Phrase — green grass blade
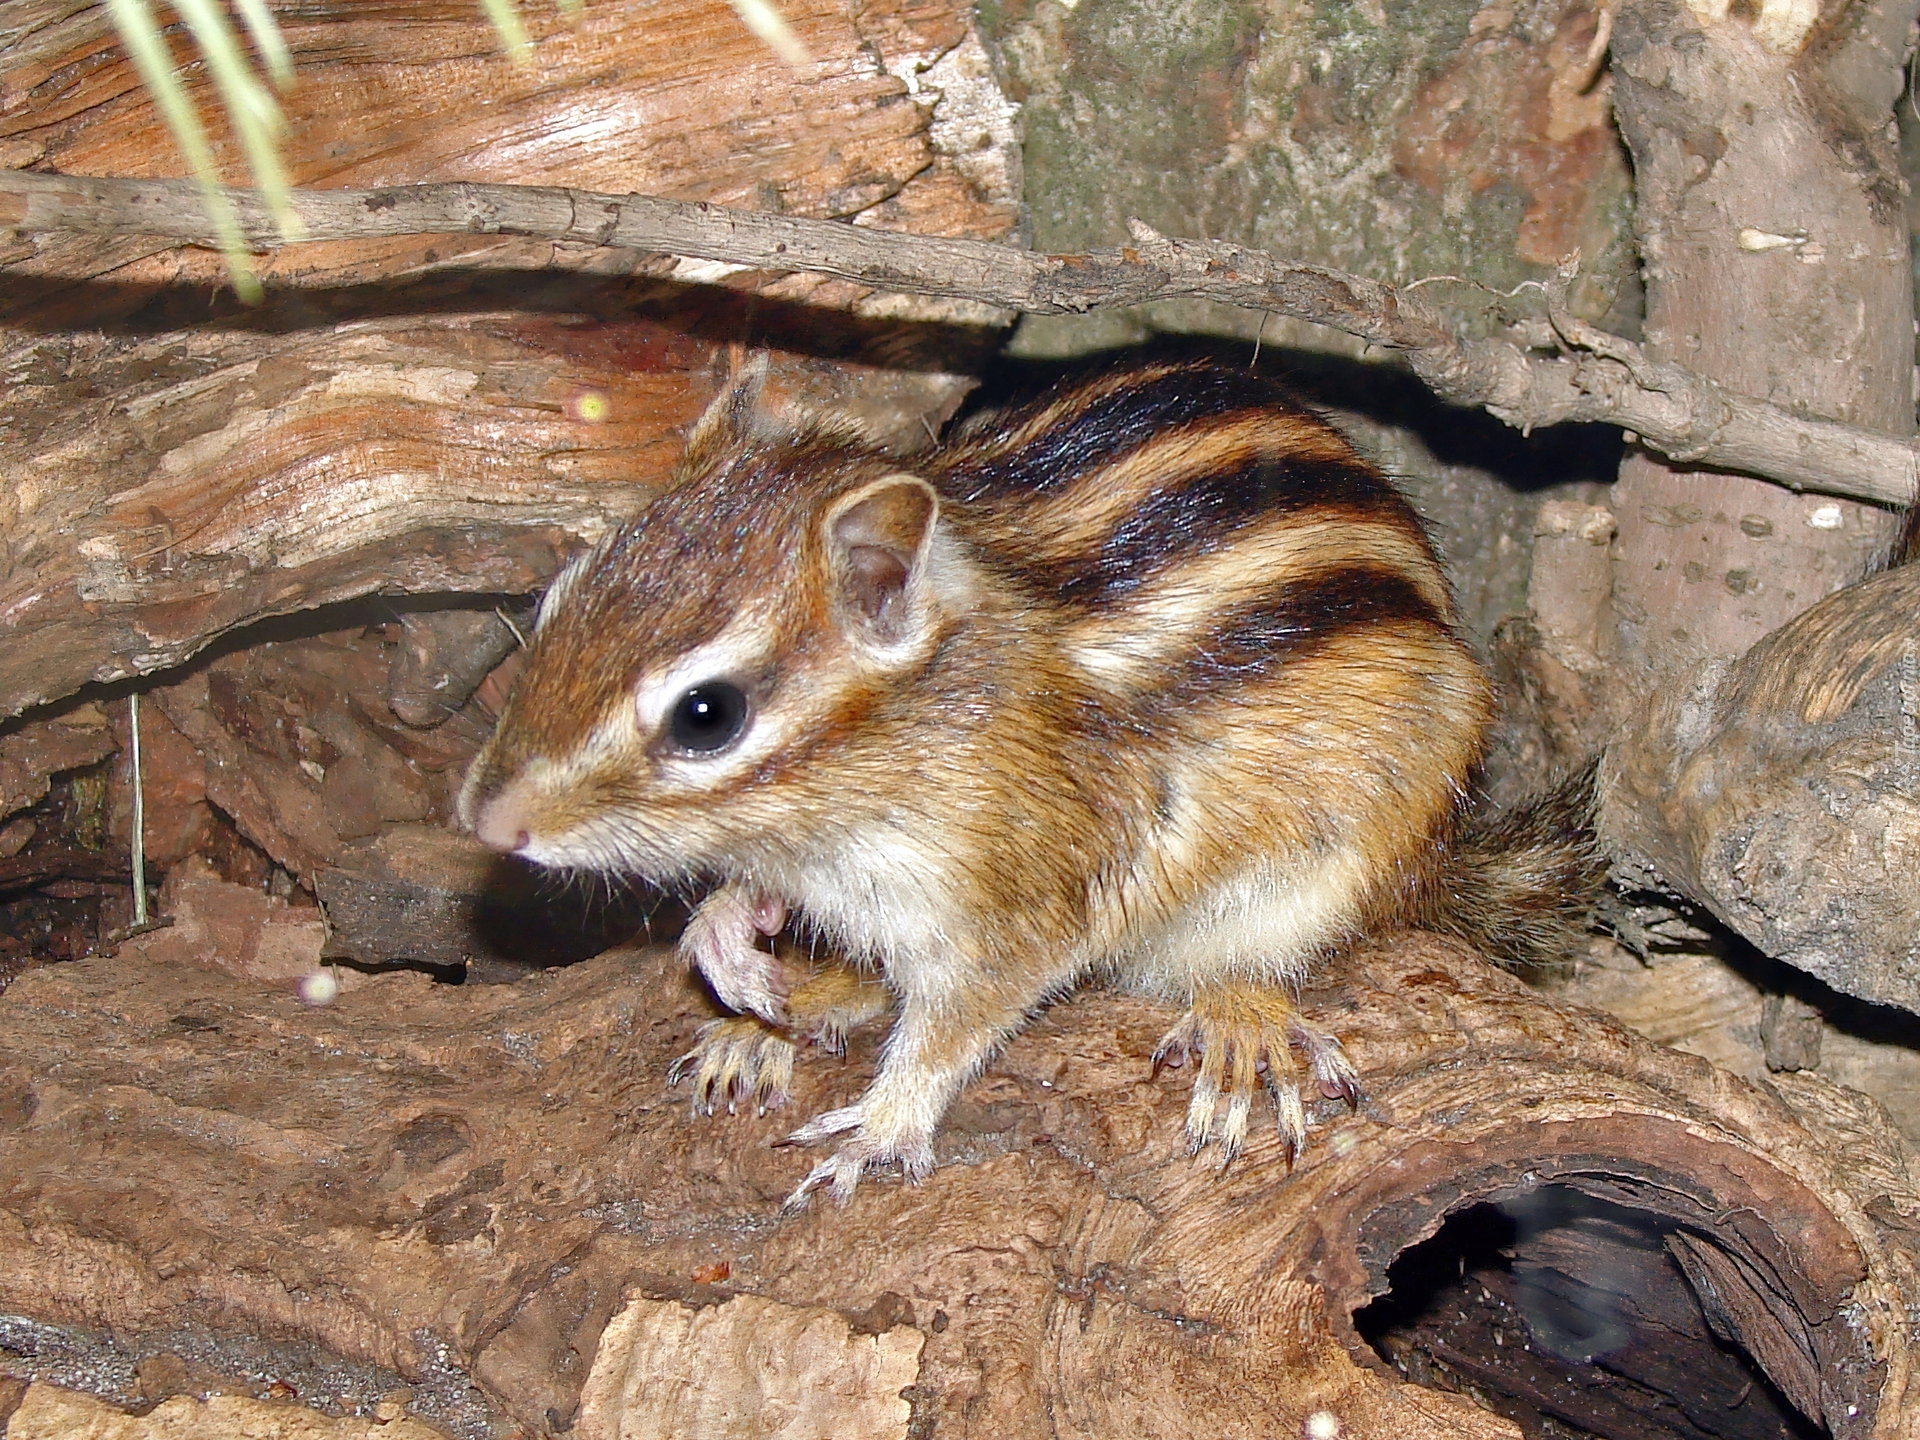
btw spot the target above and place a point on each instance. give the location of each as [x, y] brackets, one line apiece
[773, 31]
[504, 15]
[251, 109]
[267, 40]
[140, 33]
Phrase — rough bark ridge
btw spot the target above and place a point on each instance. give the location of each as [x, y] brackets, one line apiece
[1775, 245]
[498, 1170]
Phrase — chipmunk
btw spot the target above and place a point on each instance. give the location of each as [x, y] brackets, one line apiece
[1154, 679]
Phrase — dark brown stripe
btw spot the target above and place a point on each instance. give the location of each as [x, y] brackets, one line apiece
[1257, 639]
[1174, 525]
[1104, 428]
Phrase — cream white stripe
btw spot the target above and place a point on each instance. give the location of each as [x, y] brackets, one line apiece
[1159, 621]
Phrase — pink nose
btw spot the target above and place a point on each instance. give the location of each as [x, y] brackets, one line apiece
[498, 826]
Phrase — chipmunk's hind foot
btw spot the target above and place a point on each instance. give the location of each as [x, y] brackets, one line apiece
[1244, 1037]
[836, 999]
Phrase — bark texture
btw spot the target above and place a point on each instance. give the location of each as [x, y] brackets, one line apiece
[1783, 791]
[1776, 252]
[46, 1412]
[488, 1175]
[174, 470]
[1448, 140]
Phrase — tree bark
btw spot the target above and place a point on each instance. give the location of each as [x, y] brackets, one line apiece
[1782, 791]
[500, 1170]
[1776, 250]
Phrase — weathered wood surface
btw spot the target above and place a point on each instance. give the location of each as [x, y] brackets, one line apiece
[46, 1412]
[1748, 257]
[1608, 380]
[500, 1169]
[1782, 791]
[173, 469]
[675, 99]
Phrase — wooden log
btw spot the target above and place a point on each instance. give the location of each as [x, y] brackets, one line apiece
[1782, 791]
[1794, 220]
[498, 1179]
[386, 422]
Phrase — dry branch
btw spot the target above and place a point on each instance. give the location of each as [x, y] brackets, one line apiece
[1601, 378]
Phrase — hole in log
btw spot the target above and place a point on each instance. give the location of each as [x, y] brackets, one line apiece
[1572, 1315]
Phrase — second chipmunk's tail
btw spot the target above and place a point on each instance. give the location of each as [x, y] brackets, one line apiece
[1520, 884]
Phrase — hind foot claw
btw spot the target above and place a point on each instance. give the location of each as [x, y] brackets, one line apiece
[1244, 1035]
[866, 1149]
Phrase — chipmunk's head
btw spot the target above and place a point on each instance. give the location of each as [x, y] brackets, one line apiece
[681, 670]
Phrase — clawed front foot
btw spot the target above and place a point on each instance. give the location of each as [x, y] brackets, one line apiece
[743, 1058]
[927, 1058]
[1244, 1035]
[868, 1148]
[733, 1060]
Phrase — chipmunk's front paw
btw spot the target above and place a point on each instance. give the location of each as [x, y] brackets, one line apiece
[1245, 1035]
[733, 1060]
[867, 1148]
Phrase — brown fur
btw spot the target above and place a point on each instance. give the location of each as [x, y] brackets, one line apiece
[1519, 884]
[1156, 678]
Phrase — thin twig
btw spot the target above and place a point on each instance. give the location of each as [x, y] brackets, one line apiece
[505, 619]
[139, 842]
[1605, 379]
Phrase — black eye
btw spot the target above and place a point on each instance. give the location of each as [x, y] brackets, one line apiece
[708, 717]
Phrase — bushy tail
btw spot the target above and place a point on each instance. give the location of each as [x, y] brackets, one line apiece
[1520, 884]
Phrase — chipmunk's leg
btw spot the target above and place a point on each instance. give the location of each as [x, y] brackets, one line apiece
[744, 1058]
[836, 998]
[944, 1034]
[1237, 1030]
[721, 941]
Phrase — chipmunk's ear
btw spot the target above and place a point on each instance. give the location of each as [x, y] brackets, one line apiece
[877, 539]
[729, 416]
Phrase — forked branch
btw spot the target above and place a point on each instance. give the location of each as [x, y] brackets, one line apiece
[1595, 378]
